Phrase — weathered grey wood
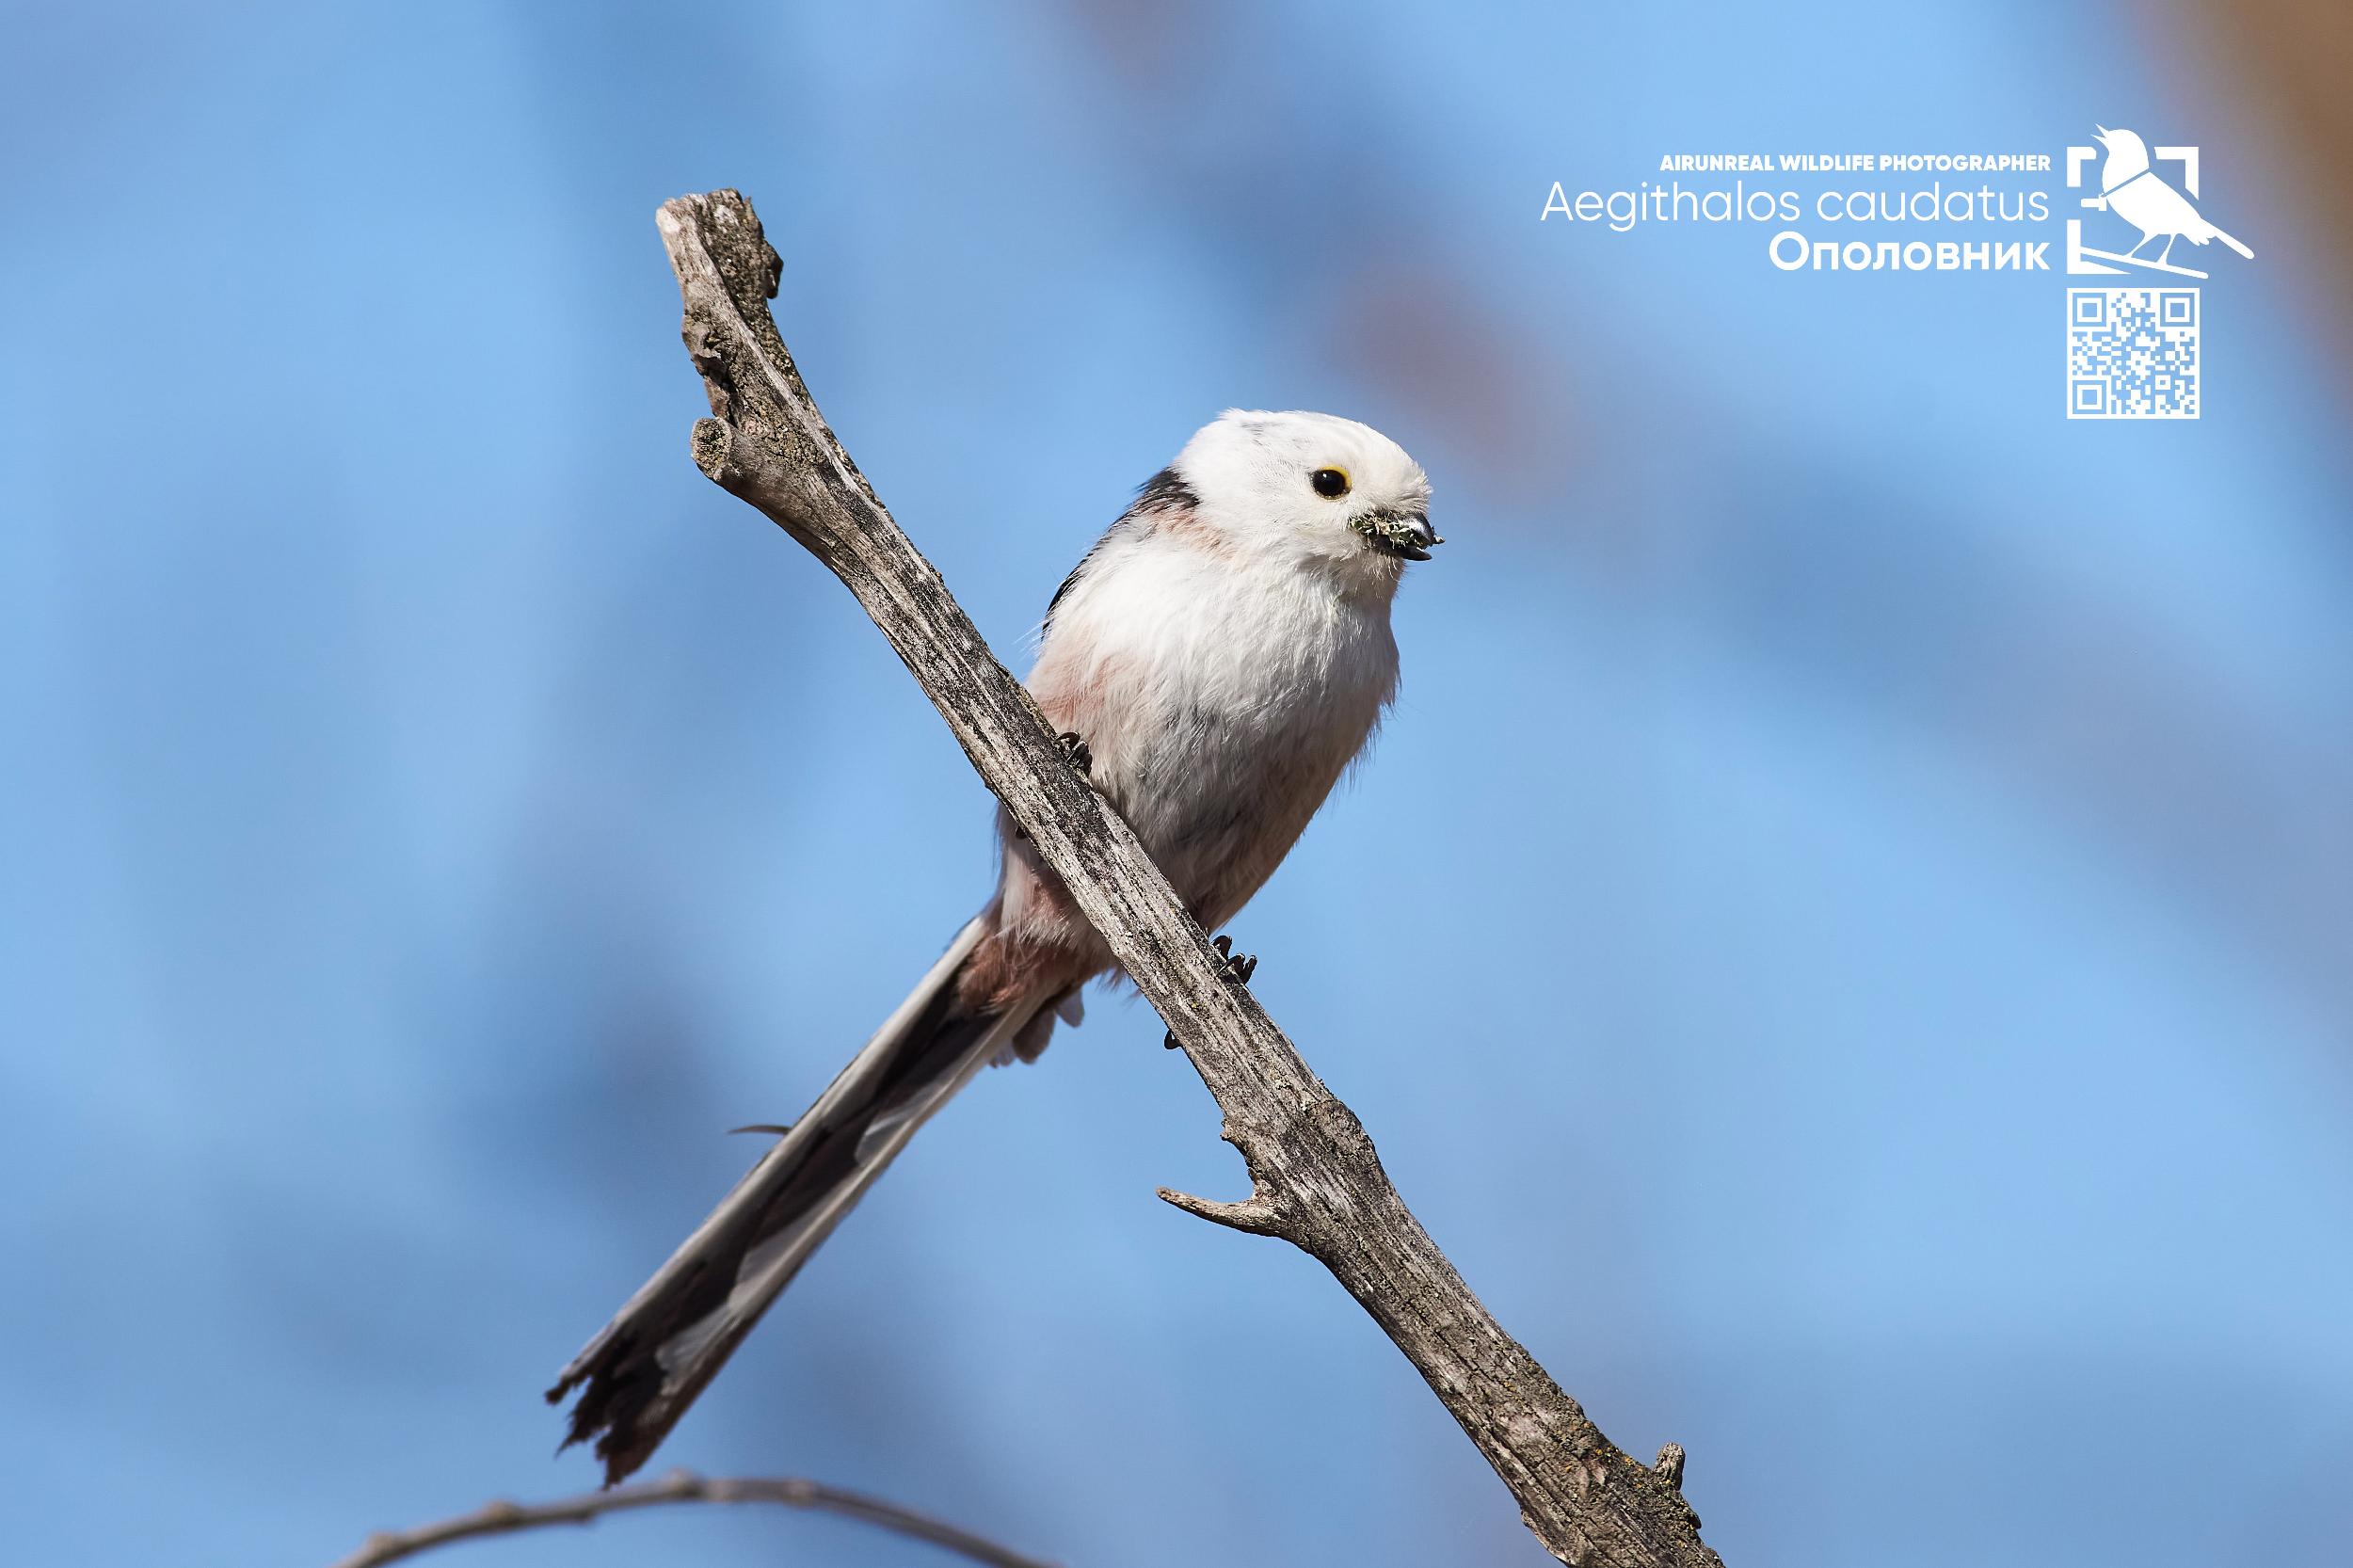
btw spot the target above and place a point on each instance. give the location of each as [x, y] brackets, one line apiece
[1317, 1182]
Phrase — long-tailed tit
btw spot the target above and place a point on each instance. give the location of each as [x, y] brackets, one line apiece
[1222, 654]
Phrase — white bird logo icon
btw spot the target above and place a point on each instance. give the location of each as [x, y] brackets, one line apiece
[2136, 193]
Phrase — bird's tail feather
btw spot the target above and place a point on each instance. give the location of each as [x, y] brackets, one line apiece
[645, 1367]
[2232, 243]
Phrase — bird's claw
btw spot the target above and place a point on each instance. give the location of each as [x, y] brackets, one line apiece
[1235, 969]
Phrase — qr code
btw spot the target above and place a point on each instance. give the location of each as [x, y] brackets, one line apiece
[2131, 353]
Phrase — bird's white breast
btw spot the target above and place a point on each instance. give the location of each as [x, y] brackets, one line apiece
[1222, 695]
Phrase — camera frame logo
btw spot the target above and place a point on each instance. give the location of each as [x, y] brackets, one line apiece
[2133, 353]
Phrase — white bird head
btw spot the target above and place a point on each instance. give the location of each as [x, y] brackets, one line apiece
[2125, 148]
[1309, 487]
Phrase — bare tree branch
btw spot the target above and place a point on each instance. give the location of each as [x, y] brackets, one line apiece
[681, 1487]
[1317, 1181]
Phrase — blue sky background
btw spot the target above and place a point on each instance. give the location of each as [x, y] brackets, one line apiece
[1876, 853]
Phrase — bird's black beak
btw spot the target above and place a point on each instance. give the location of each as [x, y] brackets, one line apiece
[1424, 537]
[1408, 536]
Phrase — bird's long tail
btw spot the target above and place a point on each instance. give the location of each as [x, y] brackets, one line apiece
[2232, 243]
[642, 1371]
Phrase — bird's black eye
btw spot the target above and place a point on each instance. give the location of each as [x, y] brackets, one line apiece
[1330, 483]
